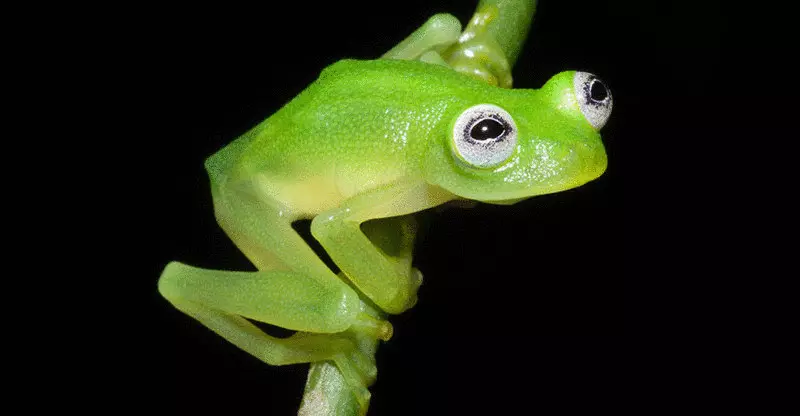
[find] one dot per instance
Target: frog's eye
(594, 99)
(484, 136)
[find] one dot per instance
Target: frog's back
(360, 125)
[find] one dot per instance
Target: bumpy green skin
(392, 119)
(372, 140)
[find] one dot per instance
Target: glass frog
(434, 120)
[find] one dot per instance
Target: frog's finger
(439, 32)
(433, 57)
(477, 54)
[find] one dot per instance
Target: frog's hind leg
(221, 300)
(292, 289)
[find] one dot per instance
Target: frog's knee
(339, 309)
(168, 283)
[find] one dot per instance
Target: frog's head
(523, 142)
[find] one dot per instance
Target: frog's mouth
(583, 164)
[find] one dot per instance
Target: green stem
(511, 27)
(327, 392)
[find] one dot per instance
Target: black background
(524, 308)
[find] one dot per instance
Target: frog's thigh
(439, 32)
(221, 300)
(388, 280)
(261, 228)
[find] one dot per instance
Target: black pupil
(487, 129)
(598, 91)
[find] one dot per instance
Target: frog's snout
(593, 161)
(599, 162)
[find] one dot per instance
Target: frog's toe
(359, 372)
(365, 365)
(416, 277)
(415, 281)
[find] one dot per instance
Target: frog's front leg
(477, 53)
(386, 278)
(486, 50)
(425, 43)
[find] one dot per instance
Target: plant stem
(327, 393)
(511, 27)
